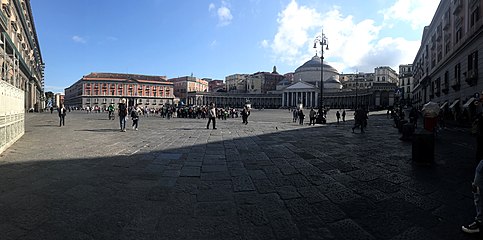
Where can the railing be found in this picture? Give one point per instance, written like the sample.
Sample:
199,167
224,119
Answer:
11,114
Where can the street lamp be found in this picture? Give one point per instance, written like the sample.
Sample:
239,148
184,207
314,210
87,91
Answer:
357,88
323,41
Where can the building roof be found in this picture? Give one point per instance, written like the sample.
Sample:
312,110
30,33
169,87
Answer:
315,63
125,76
121,77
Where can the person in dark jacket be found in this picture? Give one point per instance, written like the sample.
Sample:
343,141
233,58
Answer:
301,116
135,117
62,112
245,113
122,110
360,119
478,132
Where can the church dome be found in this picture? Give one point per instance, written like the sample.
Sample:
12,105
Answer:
313,64
310,72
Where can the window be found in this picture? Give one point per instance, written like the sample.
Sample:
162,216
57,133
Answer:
438,87
457,74
446,80
473,61
472,74
475,16
458,35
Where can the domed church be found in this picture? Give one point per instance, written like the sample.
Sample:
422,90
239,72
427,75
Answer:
306,87
309,73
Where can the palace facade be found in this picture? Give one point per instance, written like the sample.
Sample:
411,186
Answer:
102,89
22,77
447,67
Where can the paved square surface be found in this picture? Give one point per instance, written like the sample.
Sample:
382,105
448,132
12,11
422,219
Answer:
270,179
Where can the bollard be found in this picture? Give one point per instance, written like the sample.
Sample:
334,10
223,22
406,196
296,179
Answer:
423,147
407,132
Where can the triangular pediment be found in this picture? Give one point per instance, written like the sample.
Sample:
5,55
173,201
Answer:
300,85
132,80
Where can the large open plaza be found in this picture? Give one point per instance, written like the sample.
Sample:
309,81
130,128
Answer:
270,179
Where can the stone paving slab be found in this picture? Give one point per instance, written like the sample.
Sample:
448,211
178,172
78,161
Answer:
270,179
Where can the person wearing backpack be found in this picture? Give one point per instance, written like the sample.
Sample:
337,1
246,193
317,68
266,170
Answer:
111,112
122,111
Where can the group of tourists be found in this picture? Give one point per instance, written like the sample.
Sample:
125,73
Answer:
197,112
299,116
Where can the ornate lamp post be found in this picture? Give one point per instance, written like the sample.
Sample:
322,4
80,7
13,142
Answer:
323,41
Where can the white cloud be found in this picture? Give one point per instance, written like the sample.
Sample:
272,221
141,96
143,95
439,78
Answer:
79,39
265,43
224,16
353,45
211,7
418,13
294,25
213,43
223,13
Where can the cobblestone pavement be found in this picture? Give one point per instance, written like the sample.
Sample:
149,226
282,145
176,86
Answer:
270,179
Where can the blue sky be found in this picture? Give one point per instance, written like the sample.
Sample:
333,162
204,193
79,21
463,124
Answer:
217,38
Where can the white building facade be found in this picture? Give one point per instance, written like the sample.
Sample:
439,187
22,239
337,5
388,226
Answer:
22,83
406,82
385,74
236,83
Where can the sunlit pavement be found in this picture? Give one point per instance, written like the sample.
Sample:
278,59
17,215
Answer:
270,179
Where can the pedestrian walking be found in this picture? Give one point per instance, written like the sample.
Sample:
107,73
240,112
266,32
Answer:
122,111
343,115
245,113
211,116
312,116
301,116
295,113
337,115
477,185
135,118
110,109
62,112
360,117
477,131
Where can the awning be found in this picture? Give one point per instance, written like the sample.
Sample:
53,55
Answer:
467,104
443,105
454,103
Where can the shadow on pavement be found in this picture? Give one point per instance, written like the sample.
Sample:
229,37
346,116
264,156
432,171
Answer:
328,183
